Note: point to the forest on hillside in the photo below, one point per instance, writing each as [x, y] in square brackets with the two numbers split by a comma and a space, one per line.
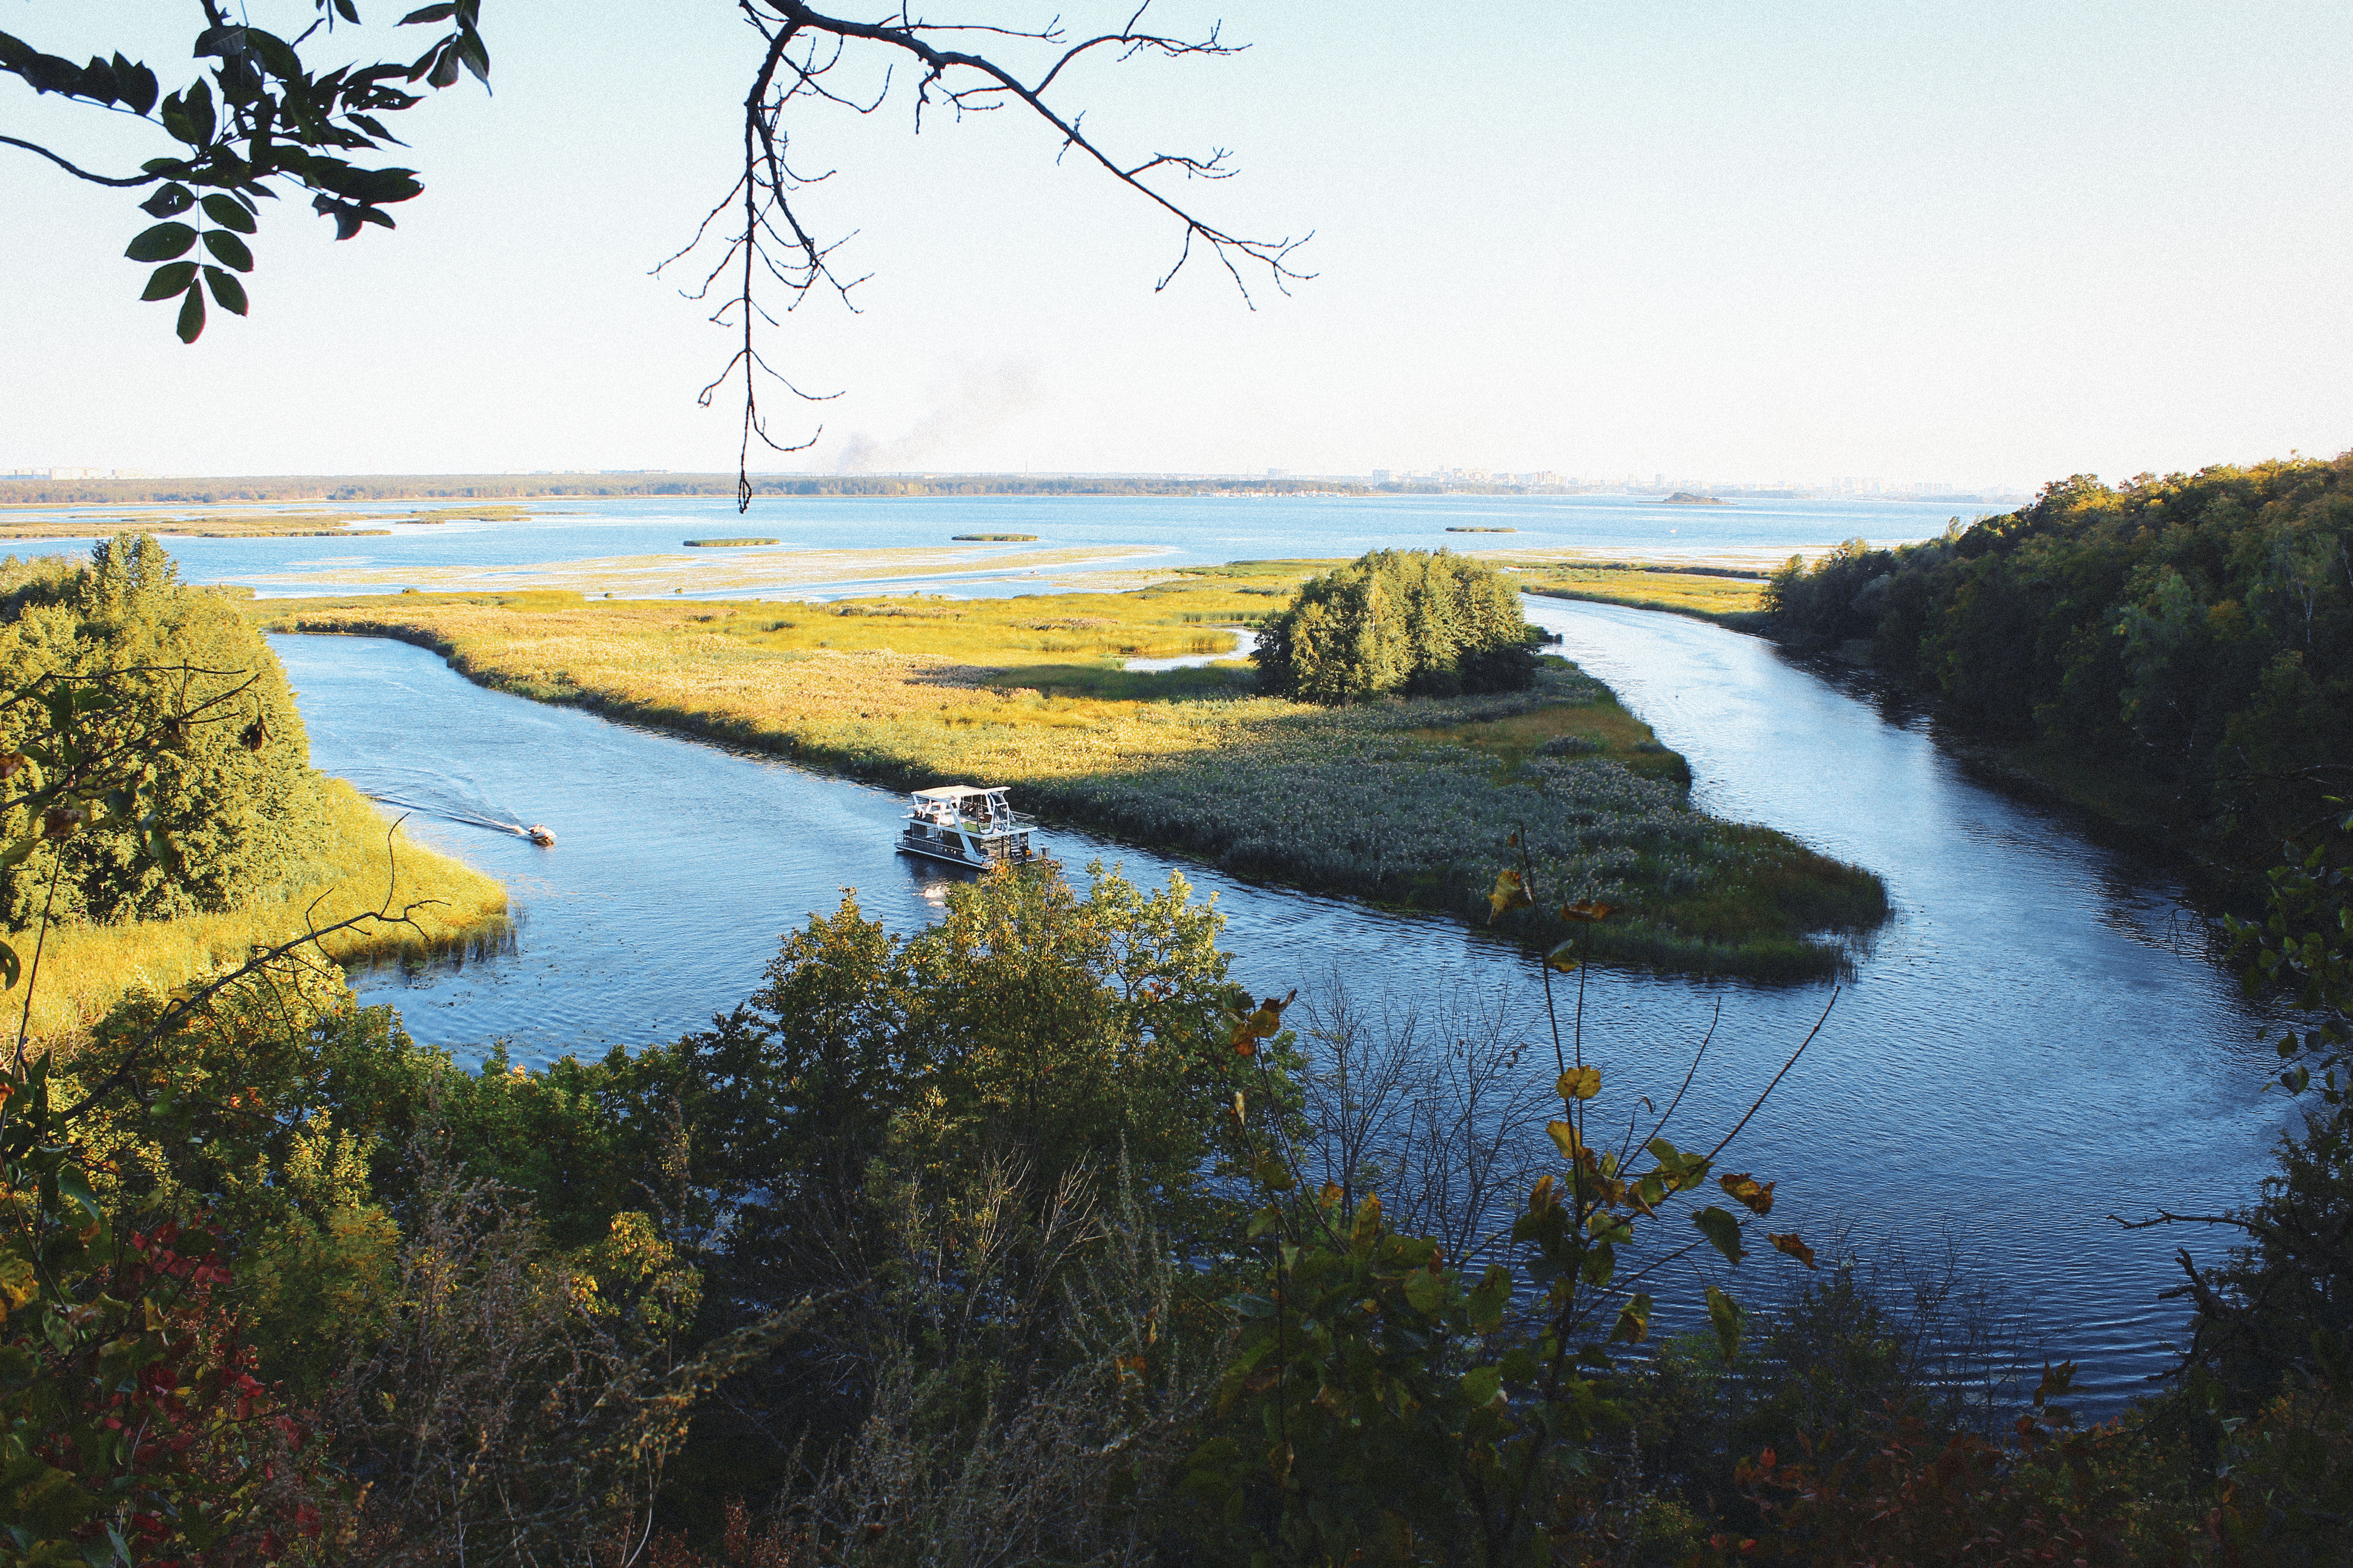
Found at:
[2178, 650]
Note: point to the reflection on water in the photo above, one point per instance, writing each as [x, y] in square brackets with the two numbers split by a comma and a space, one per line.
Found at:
[2035, 1041]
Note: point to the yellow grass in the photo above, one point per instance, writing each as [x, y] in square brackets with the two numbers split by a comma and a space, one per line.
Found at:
[1734, 601]
[85, 970]
[1407, 802]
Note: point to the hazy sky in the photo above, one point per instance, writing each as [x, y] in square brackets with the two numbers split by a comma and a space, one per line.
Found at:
[1984, 243]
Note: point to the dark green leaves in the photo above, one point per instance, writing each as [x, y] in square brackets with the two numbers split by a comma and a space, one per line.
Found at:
[109, 82]
[228, 249]
[228, 212]
[189, 116]
[161, 243]
[228, 293]
[170, 281]
[169, 202]
[1722, 1230]
[1724, 1315]
[191, 325]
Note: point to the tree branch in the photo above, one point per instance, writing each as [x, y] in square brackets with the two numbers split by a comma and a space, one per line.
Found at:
[132, 182]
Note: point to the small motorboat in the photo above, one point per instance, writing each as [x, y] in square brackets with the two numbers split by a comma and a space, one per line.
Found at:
[965, 825]
[540, 836]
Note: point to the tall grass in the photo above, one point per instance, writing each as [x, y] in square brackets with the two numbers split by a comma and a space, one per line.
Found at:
[85, 970]
[1736, 602]
[1408, 802]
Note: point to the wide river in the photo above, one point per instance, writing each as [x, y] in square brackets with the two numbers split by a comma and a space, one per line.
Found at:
[2038, 1040]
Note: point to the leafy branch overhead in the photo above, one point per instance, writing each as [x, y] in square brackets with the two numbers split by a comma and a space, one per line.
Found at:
[263, 115]
[762, 240]
[257, 117]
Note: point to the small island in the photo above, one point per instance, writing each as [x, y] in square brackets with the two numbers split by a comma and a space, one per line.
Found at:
[996, 538]
[1684, 498]
[1470, 529]
[724, 543]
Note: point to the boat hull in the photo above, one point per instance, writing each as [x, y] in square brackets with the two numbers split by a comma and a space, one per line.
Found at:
[951, 853]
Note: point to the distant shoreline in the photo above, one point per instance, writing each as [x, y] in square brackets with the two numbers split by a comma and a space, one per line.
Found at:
[368, 487]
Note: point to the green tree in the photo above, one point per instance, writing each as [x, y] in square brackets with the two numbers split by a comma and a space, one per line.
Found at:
[230, 808]
[1409, 623]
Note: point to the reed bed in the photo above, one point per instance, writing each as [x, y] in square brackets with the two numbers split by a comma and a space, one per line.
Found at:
[1736, 602]
[85, 970]
[1409, 801]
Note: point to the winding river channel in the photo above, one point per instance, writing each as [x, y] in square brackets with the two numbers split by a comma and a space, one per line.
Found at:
[2038, 1040]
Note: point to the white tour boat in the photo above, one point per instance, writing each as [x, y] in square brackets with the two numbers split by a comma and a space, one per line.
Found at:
[966, 827]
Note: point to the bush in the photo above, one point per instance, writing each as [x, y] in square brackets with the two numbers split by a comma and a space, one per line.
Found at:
[232, 793]
[1399, 623]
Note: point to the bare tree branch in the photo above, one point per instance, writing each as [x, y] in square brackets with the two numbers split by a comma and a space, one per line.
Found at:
[800, 46]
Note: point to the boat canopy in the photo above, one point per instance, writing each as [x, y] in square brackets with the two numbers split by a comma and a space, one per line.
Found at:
[956, 792]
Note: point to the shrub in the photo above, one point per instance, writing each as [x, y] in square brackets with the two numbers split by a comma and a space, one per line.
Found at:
[232, 793]
[1399, 622]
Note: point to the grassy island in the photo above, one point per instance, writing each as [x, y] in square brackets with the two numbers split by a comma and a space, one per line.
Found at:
[1404, 801]
[1727, 598]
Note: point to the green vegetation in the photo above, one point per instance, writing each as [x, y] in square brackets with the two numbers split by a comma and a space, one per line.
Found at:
[234, 813]
[1403, 800]
[1037, 1192]
[998, 538]
[88, 969]
[1730, 599]
[2173, 652]
[1398, 623]
[237, 841]
[1030, 1239]
[725, 544]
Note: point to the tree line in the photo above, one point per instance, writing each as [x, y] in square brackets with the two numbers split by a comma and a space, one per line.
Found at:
[2181, 647]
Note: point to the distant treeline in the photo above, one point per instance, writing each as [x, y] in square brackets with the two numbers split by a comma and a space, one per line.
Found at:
[2187, 642]
[511, 487]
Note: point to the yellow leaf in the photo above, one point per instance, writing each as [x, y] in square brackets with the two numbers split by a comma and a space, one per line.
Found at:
[1579, 1083]
[1262, 1025]
[1586, 910]
[1793, 1246]
[1563, 958]
[1510, 893]
[1565, 1136]
[1746, 1190]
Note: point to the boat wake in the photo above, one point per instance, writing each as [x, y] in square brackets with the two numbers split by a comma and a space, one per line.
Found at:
[488, 817]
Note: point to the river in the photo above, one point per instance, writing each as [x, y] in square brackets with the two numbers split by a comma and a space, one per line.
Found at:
[2036, 1041]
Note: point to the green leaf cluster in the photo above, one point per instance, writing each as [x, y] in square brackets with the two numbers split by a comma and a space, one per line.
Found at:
[262, 114]
[1410, 622]
[229, 811]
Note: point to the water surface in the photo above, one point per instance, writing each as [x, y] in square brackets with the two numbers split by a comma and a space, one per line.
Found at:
[1179, 530]
[2033, 1044]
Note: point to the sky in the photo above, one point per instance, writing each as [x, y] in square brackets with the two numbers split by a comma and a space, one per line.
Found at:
[1982, 244]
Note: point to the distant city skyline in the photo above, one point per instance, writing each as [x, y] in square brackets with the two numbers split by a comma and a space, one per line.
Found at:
[1846, 238]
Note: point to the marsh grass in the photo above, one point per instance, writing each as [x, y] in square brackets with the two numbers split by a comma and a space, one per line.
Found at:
[85, 970]
[1404, 802]
[1735, 602]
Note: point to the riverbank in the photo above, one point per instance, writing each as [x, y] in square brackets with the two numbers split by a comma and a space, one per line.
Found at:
[368, 865]
[1728, 599]
[1408, 802]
